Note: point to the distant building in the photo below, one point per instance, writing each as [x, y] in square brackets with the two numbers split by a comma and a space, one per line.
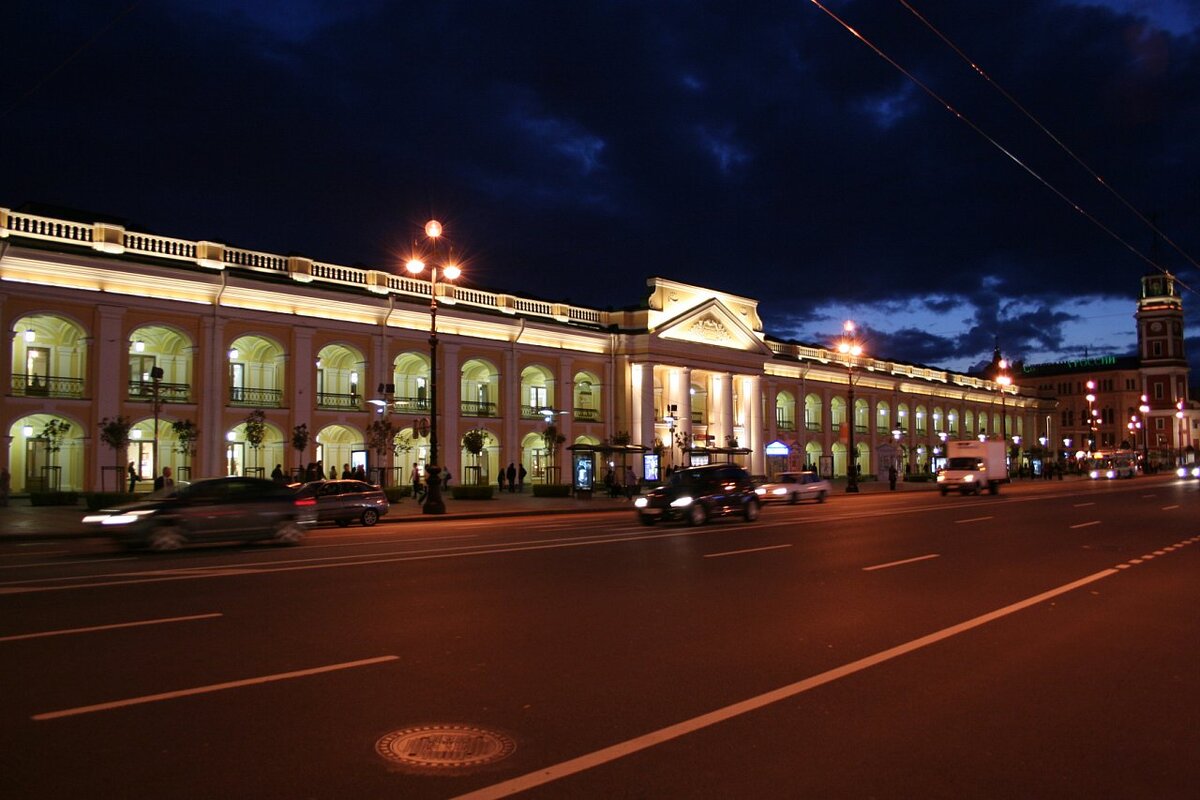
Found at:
[1120, 386]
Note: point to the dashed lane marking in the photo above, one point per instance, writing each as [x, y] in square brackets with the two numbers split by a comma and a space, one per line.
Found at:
[903, 561]
[748, 550]
[972, 519]
[1086, 524]
[113, 626]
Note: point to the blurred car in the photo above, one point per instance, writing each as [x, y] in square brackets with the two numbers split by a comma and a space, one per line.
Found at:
[345, 501]
[792, 487]
[696, 494]
[1188, 471]
[219, 509]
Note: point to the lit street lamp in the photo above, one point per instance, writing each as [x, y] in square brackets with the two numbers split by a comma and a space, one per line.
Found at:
[1145, 409]
[1004, 380]
[851, 349]
[1091, 399]
[434, 504]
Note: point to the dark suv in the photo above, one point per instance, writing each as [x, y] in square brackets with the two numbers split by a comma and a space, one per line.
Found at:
[696, 494]
[220, 509]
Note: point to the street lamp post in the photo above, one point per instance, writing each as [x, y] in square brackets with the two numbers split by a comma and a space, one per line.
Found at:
[1004, 380]
[1091, 399]
[851, 349]
[1182, 430]
[434, 503]
[156, 375]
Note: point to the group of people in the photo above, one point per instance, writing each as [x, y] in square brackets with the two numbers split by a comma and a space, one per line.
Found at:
[515, 475]
[621, 482]
[163, 481]
[420, 489]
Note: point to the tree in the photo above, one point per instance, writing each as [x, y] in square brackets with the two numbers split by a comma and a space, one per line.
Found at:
[381, 436]
[186, 436]
[256, 431]
[115, 433]
[553, 440]
[474, 441]
[300, 441]
[54, 432]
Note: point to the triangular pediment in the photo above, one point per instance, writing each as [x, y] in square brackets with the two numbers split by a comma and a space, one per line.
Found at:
[712, 324]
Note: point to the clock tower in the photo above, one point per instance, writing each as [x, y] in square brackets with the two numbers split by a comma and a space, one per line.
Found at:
[1164, 366]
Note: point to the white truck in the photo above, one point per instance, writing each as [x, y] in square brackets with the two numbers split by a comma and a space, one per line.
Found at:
[972, 466]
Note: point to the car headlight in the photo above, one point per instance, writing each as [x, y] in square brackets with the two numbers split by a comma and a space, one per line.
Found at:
[1094, 474]
[680, 502]
[941, 477]
[1182, 472]
[969, 477]
[759, 490]
[780, 490]
[126, 518]
[1196, 472]
[641, 502]
[1112, 473]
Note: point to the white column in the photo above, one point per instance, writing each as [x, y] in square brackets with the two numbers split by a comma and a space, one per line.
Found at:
[724, 406]
[642, 383]
[769, 403]
[564, 387]
[510, 409]
[213, 369]
[449, 410]
[752, 402]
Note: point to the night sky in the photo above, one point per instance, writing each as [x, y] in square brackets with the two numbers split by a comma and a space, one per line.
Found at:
[574, 149]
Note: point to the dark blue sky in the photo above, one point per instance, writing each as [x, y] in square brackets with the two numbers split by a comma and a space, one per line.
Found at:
[575, 149]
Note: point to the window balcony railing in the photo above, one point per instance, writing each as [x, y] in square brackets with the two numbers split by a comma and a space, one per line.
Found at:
[785, 423]
[863, 429]
[259, 398]
[47, 386]
[527, 412]
[587, 415]
[698, 418]
[167, 392]
[812, 427]
[332, 401]
[473, 408]
[408, 405]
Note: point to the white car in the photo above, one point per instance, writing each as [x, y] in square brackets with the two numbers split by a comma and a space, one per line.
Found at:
[792, 487]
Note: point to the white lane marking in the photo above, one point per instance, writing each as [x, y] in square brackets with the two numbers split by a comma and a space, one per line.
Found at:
[972, 519]
[66, 563]
[214, 687]
[1086, 524]
[1169, 508]
[113, 626]
[1081, 505]
[1148, 495]
[749, 550]
[34, 555]
[905, 561]
[646, 741]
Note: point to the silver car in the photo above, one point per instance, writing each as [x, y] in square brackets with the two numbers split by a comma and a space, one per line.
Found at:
[793, 487]
[347, 501]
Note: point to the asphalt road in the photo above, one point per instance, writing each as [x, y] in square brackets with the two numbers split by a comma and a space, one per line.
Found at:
[1042, 643]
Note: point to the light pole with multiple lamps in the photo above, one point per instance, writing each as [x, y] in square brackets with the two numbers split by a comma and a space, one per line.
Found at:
[851, 349]
[1003, 380]
[1144, 408]
[434, 503]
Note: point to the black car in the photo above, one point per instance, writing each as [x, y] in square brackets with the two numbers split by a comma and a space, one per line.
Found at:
[346, 501]
[220, 509]
[696, 494]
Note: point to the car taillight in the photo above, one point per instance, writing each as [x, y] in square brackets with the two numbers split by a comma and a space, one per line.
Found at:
[305, 501]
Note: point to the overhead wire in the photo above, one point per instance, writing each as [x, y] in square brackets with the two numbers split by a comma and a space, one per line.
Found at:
[991, 140]
[1030, 116]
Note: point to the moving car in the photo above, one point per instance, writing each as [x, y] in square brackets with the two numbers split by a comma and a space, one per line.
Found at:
[219, 509]
[345, 501]
[696, 494]
[792, 487]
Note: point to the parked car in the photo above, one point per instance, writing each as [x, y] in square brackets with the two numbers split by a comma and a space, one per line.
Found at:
[218, 509]
[792, 487]
[345, 501]
[696, 494]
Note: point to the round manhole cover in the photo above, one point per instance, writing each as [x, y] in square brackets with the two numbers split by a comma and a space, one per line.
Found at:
[445, 747]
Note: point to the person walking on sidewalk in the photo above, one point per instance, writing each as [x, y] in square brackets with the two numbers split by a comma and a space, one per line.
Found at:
[511, 473]
[133, 477]
[521, 473]
[415, 477]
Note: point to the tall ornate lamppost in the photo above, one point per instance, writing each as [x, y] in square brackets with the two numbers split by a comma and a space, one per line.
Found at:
[434, 504]
[851, 349]
[1003, 380]
[1145, 409]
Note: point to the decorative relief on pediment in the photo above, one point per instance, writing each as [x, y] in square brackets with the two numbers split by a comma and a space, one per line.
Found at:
[711, 329]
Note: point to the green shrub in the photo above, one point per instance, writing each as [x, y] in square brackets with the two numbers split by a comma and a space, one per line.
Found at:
[471, 492]
[552, 490]
[98, 500]
[53, 498]
[397, 493]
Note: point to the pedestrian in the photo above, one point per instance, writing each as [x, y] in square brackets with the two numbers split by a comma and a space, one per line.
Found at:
[892, 477]
[610, 482]
[133, 477]
[501, 480]
[5, 486]
[332, 473]
[346, 474]
[521, 477]
[415, 477]
[511, 472]
[164, 481]
[277, 474]
[630, 483]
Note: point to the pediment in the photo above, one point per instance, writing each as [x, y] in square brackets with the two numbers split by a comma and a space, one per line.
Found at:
[712, 324]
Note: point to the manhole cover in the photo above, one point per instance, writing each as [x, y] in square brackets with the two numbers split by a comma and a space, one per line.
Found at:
[445, 746]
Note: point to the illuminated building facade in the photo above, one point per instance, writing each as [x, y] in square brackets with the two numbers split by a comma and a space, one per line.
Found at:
[181, 336]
